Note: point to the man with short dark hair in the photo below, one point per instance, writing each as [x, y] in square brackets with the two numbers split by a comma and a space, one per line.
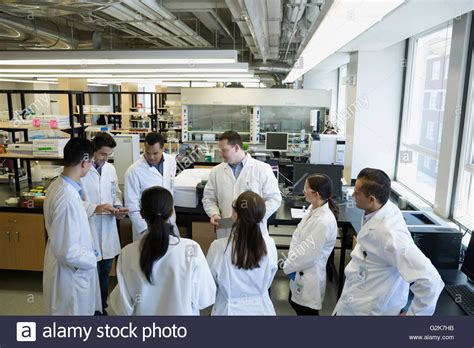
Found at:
[154, 168]
[101, 189]
[70, 281]
[385, 262]
[238, 173]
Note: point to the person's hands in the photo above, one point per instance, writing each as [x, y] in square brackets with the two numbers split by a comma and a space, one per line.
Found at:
[215, 220]
[121, 213]
[105, 209]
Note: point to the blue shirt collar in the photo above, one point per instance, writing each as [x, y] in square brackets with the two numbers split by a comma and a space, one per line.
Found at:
[156, 165]
[73, 183]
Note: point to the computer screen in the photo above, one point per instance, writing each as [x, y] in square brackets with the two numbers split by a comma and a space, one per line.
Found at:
[276, 141]
[468, 264]
[302, 170]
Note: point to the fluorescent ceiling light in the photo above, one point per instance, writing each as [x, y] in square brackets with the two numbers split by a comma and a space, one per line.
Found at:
[85, 62]
[239, 67]
[29, 81]
[114, 80]
[343, 22]
[114, 57]
[160, 76]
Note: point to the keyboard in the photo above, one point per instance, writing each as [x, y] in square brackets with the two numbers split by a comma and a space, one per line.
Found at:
[463, 296]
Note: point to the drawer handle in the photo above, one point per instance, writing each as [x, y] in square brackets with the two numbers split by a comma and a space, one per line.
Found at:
[8, 235]
[17, 236]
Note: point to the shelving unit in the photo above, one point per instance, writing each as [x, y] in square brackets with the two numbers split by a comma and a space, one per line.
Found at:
[73, 126]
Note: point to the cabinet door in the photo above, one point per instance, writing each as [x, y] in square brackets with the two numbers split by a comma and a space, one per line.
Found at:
[29, 241]
[6, 247]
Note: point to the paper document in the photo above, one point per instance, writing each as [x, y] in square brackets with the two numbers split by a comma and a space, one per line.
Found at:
[297, 213]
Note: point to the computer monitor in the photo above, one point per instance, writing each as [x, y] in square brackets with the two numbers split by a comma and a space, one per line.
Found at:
[302, 170]
[468, 265]
[276, 141]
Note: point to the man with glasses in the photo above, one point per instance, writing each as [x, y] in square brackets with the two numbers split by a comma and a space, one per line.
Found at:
[239, 173]
[103, 203]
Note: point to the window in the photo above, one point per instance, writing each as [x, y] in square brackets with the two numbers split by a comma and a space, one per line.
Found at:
[436, 69]
[433, 99]
[422, 118]
[430, 128]
[463, 208]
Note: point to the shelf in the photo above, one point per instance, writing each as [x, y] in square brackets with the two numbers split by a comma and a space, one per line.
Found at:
[118, 113]
[23, 128]
[18, 156]
[215, 132]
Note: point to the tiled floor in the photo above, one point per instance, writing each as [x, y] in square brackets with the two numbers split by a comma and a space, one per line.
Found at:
[21, 291]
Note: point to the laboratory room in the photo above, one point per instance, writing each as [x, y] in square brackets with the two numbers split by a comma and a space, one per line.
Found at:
[237, 158]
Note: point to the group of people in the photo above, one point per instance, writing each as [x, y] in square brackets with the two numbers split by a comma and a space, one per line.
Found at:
[161, 273]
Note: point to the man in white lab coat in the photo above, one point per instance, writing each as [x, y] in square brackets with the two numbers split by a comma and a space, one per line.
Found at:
[101, 188]
[386, 263]
[154, 168]
[70, 281]
[238, 173]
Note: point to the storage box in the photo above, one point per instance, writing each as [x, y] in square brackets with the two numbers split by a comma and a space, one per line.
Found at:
[50, 121]
[185, 194]
[21, 148]
[49, 147]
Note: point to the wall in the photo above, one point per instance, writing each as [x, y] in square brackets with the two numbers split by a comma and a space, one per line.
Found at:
[374, 109]
[314, 79]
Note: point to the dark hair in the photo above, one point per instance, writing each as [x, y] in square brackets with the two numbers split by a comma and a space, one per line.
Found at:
[154, 137]
[103, 139]
[375, 182]
[77, 150]
[233, 138]
[322, 184]
[248, 246]
[156, 206]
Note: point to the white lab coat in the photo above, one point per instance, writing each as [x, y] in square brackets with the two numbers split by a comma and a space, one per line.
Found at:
[310, 247]
[70, 280]
[140, 176]
[239, 291]
[182, 282]
[102, 189]
[222, 189]
[384, 263]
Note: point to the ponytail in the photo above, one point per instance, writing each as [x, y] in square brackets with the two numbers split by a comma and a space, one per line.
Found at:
[334, 207]
[156, 207]
[248, 245]
[154, 244]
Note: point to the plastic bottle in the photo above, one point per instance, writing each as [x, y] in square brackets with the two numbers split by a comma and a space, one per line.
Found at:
[36, 175]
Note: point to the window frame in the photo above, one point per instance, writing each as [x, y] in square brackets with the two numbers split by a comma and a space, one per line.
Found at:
[407, 102]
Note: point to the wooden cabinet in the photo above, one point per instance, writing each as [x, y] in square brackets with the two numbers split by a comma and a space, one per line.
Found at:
[22, 241]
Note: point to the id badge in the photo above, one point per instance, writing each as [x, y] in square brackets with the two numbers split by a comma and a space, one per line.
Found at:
[362, 273]
[113, 189]
[298, 288]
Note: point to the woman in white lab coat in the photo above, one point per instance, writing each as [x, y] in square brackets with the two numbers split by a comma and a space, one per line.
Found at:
[244, 264]
[161, 274]
[311, 245]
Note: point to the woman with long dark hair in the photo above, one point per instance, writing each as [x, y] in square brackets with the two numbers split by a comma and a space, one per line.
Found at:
[161, 274]
[244, 264]
[311, 245]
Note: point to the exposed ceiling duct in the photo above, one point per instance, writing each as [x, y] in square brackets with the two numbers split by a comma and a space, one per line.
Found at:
[259, 23]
